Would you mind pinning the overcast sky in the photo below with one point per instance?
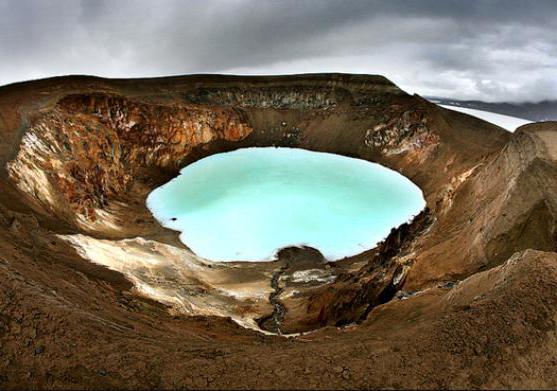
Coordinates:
(492, 50)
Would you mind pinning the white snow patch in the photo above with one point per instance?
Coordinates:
(506, 122)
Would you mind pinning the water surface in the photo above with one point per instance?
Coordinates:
(247, 204)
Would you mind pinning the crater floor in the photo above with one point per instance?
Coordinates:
(96, 293)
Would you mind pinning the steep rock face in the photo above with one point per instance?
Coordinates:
(299, 98)
(402, 133)
(526, 210)
(304, 92)
(503, 205)
(87, 150)
(352, 295)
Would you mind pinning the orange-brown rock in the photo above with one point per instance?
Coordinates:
(95, 293)
(88, 147)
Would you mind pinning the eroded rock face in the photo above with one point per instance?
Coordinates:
(502, 205)
(350, 296)
(179, 279)
(88, 148)
(301, 98)
(403, 133)
(310, 93)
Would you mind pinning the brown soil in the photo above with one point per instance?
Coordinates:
(96, 294)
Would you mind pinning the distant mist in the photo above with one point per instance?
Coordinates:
(540, 111)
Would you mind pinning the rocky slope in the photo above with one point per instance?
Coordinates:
(463, 296)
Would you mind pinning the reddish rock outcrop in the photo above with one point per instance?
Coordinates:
(87, 149)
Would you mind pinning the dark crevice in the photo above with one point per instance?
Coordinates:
(272, 322)
(291, 258)
(386, 295)
(356, 295)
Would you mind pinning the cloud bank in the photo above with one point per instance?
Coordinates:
(494, 50)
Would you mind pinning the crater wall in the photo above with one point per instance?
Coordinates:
(461, 297)
(86, 152)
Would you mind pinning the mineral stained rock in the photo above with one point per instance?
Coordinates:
(95, 293)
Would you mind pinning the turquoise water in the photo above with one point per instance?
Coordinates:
(247, 204)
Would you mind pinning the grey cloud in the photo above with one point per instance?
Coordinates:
(484, 49)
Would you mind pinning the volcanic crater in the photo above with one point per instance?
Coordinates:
(95, 291)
